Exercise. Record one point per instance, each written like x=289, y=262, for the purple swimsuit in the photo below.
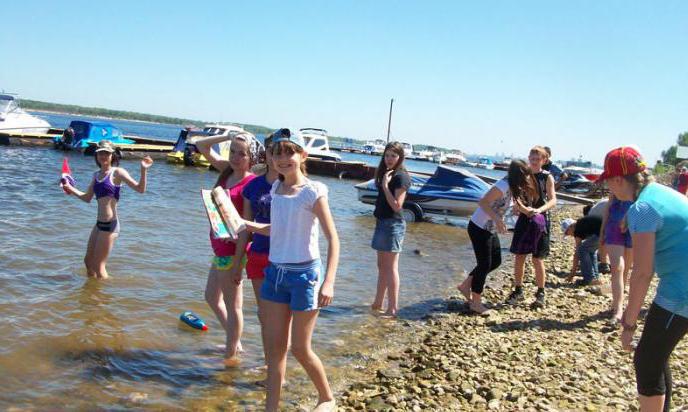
x=105, y=187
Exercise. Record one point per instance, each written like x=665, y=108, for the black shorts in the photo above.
x=111, y=226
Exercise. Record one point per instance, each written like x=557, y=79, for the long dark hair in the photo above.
x=397, y=148
x=288, y=148
x=522, y=183
x=225, y=174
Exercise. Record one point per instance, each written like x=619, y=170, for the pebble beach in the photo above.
x=566, y=356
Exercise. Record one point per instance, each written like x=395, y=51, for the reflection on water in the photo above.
x=70, y=342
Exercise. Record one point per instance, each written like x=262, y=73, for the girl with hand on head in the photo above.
x=223, y=290
x=294, y=288
x=106, y=185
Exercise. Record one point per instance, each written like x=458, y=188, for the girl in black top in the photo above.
x=392, y=182
x=545, y=200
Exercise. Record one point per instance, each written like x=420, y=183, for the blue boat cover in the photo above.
x=87, y=132
x=449, y=182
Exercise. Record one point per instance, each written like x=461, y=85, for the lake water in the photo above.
x=67, y=342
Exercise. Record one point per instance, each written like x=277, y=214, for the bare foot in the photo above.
x=465, y=289
x=326, y=406
x=480, y=309
x=375, y=308
x=388, y=315
x=232, y=362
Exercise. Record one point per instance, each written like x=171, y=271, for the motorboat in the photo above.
x=14, y=120
x=318, y=144
x=485, y=163
x=439, y=157
x=83, y=136
x=451, y=191
x=185, y=151
x=408, y=150
x=454, y=158
x=376, y=147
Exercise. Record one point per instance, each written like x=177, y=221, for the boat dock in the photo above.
x=143, y=146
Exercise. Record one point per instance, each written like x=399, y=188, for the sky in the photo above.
x=485, y=76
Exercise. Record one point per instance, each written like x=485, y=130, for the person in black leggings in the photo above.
x=658, y=223
x=485, y=225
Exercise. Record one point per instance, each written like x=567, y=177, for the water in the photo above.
x=67, y=342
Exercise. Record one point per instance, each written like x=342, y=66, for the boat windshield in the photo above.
x=7, y=104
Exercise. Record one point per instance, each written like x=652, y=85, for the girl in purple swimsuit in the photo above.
x=105, y=186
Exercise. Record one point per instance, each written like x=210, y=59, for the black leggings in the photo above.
x=663, y=330
x=488, y=254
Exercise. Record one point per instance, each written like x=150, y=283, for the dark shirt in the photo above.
x=258, y=193
x=587, y=226
x=383, y=210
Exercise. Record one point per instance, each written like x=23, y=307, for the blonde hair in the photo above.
x=638, y=181
x=541, y=151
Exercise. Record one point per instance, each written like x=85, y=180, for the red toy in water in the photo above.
x=66, y=176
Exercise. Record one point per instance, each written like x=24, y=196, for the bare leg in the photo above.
x=519, y=268
x=233, y=297
x=539, y=265
x=277, y=324
x=381, y=283
x=391, y=264
x=257, y=284
x=616, y=259
x=213, y=295
x=628, y=260
x=103, y=245
x=302, y=332
x=465, y=288
x=90, y=247
x=651, y=403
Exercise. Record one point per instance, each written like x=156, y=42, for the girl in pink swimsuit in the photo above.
x=105, y=185
x=223, y=290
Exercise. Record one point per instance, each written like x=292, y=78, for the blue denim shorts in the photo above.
x=294, y=284
x=389, y=235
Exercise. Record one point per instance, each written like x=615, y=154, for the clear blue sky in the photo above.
x=484, y=77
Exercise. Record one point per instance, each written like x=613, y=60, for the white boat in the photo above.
x=454, y=158
x=485, y=163
x=408, y=150
x=376, y=147
x=318, y=144
x=439, y=157
x=13, y=119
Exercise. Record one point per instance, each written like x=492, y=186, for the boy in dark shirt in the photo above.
x=586, y=231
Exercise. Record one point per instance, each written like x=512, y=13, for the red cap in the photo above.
x=622, y=161
x=205, y=327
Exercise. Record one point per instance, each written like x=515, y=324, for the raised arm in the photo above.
x=123, y=176
x=205, y=146
x=321, y=209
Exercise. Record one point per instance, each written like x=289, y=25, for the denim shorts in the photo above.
x=294, y=284
x=389, y=235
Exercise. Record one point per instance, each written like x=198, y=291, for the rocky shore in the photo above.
x=564, y=357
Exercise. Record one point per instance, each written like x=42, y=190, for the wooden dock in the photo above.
x=341, y=170
x=144, y=146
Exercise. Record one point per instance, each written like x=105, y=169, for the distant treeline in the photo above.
x=125, y=115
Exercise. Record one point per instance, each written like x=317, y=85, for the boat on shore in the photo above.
x=14, y=120
x=449, y=191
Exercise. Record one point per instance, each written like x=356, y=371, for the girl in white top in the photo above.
x=294, y=287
